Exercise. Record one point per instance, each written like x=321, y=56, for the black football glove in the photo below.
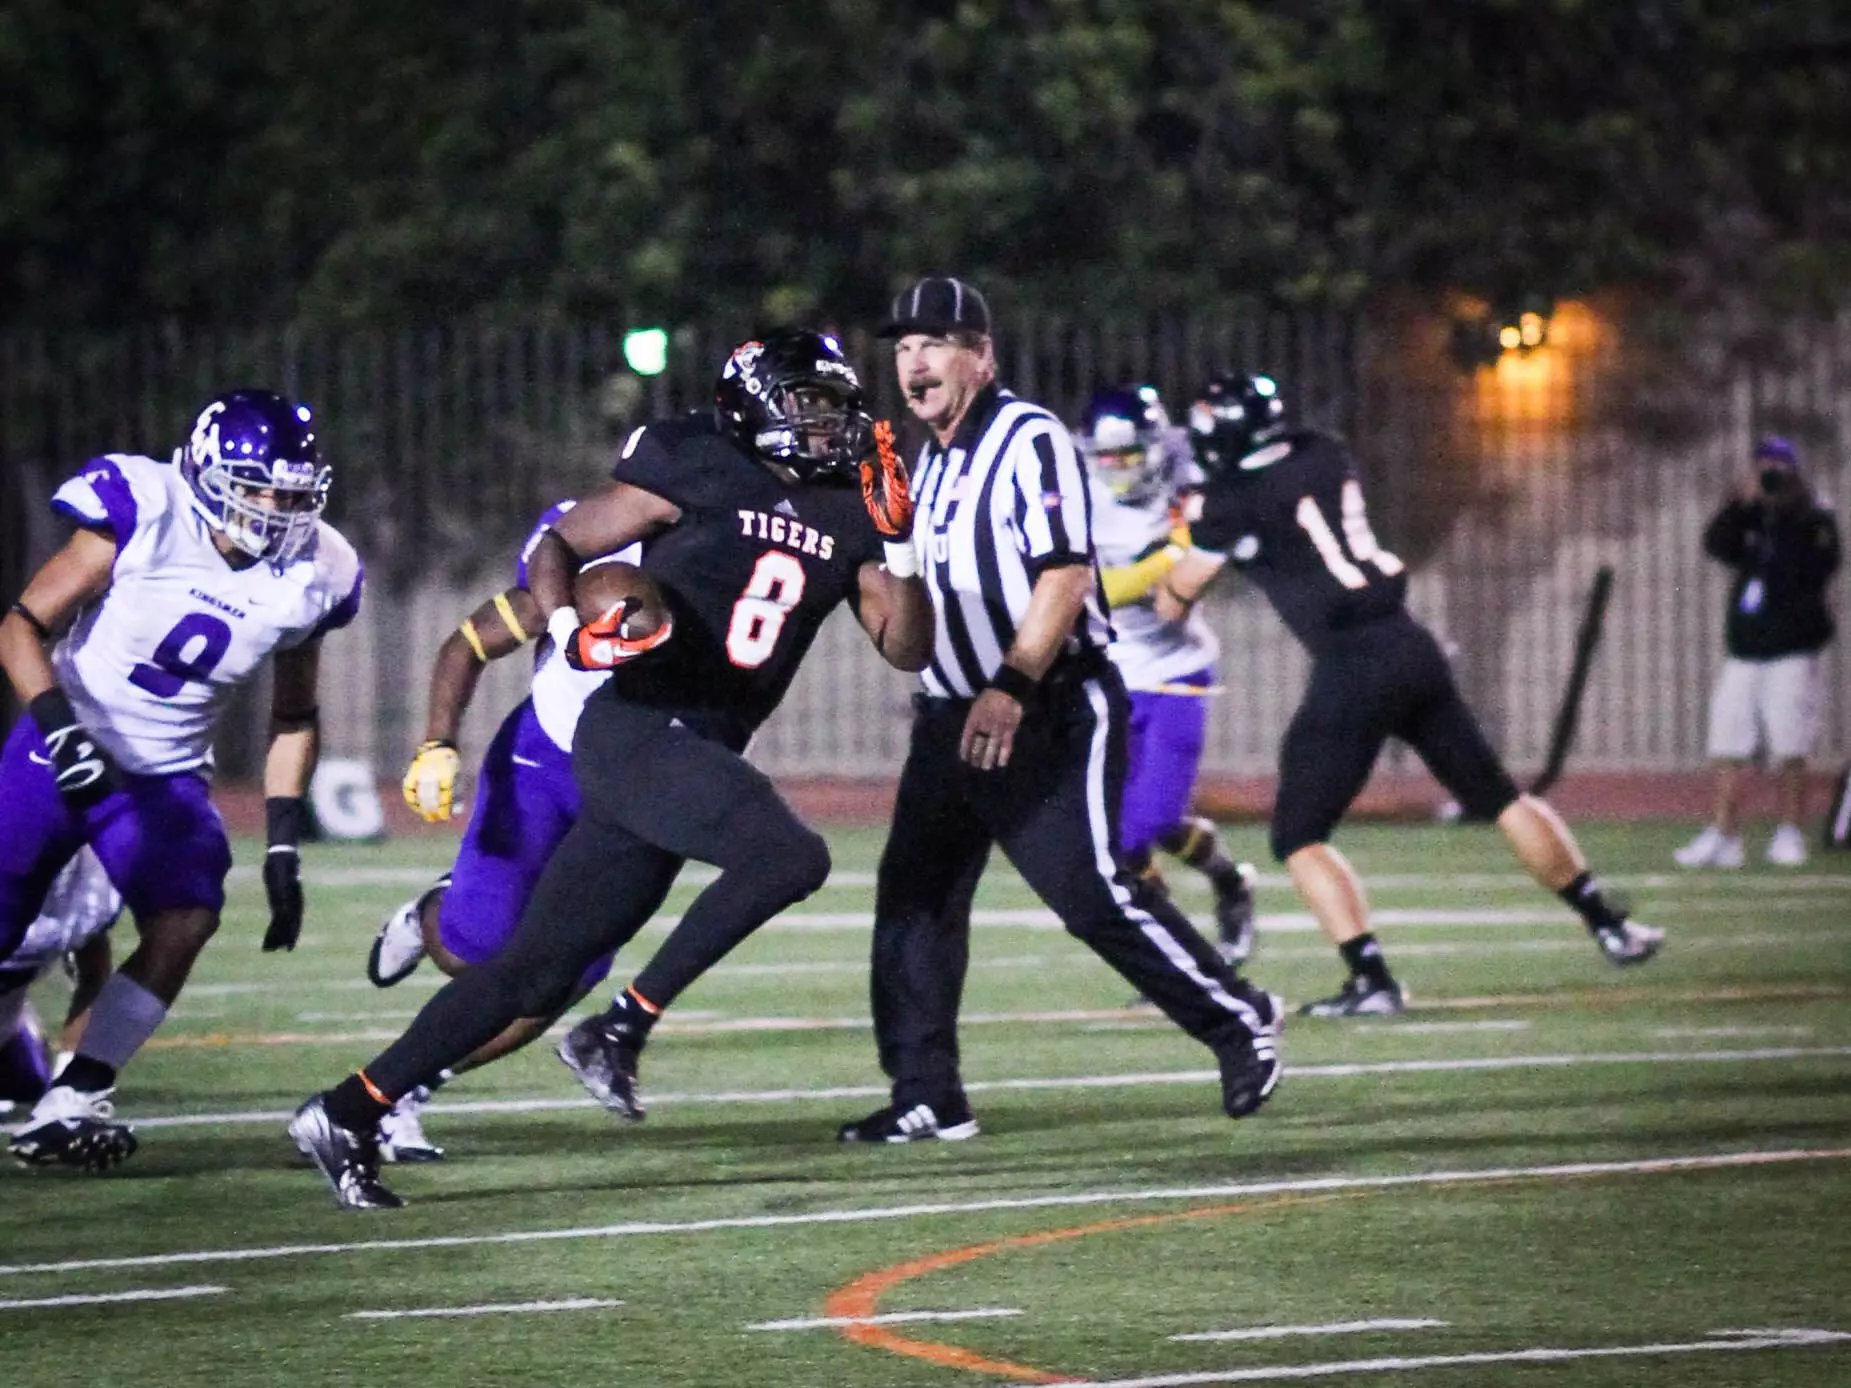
x=83, y=771
x=284, y=817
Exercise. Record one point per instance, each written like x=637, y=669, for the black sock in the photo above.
x=353, y=1105
x=87, y=1075
x=1584, y=896
x=627, y=1021
x=1364, y=956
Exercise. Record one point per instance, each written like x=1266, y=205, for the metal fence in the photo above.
x=1504, y=487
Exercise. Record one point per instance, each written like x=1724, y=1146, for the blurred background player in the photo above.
x=1284, y=504
x=1140, y=471
x=525, y=801
x=754, y=533
x=1783, y=546
x=72, y=930
x=181, y=579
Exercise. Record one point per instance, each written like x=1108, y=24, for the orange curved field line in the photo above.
x=861, y=1298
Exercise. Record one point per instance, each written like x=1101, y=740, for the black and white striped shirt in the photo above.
x=1004, y=500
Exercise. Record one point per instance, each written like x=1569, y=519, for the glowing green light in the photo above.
x=646, y=350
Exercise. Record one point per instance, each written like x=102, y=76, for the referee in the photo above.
x=1018, y=739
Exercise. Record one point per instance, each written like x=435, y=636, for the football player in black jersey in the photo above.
x=1284, y=505
x=760, y=518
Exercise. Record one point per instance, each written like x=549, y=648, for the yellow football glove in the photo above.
x=430, y=780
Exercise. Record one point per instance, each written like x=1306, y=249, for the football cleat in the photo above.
x=349, y=1160
x=1360, y=998
x=1250, y=1071
x=399, y=946
x=71, y=1128
x=401, y=1134
x=605, y=1066
x=1235, y=922
x=1712, y=849
x=1629, y=942
x=921, y=1121
x=1788, y=846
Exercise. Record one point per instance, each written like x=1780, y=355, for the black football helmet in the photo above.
x=792, y=401
x=1122, y=434
x=1231, y=417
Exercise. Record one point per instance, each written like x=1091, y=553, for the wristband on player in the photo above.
x=902, y=559
x=285, y=821
x=561, y=625
x=1016, y=683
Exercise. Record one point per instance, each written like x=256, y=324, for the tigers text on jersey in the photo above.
x=1007, y=498
x=749, y=572
x=559, y=692
x=80, y=904
x=1148, y=651
x=151, y=666
x=1291, y=516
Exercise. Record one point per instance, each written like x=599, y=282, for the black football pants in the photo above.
x=1054, y=813
x=654, y=794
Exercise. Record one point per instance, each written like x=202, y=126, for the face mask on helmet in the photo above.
x=255, y=473
x=1122, y=437
x=1232, y=417
x=793, y=402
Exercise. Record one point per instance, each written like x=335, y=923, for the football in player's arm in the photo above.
x=754, y=532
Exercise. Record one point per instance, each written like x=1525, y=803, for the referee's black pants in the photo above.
x=1054, y=813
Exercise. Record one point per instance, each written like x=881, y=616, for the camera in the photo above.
x=1775, y=480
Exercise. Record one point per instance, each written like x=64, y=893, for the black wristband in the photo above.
x=32, y=620
x=52, y=711
x=1017, y=684
x=285, y=820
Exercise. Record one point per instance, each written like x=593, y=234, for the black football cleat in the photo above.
x=70, y=1127
x=1360, y=998
x=948, y=1122
x=349, y=1160
x=1250, y=1071
x=1629, y=942
x=605, y=1066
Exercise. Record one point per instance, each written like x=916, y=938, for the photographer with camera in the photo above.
x=1783, y=546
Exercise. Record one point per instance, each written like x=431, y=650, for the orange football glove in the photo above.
x=884, y=490
x=602, y=645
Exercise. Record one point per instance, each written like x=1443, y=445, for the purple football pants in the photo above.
x=526, y=800
x=1163, y=751
x=159, y=838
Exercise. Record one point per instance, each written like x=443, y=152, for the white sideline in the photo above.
x=1723, y=1340
x=582, y=1303
x=1338, y=1070
x=880, y=1214
x=102, y=1298
x=887, y=1318
x=1280, y=1332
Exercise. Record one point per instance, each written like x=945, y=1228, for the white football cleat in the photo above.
x=1788, y=846
x=399, y=946
x=1712, y=849
x=71, y=1128
x=401, y=1134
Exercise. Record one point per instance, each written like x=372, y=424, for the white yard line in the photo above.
x=109, y=1298
x=882, y=1214
x=512, y=1308
x=1138, y=1079
x=1281, y=1332
x=1723, y=1342
x=887, y=1318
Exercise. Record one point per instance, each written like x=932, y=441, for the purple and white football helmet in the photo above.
x=256, y=475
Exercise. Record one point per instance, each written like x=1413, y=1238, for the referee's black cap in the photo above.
x=938, y=305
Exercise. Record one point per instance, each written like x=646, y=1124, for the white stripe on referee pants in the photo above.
x=1098, y=826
